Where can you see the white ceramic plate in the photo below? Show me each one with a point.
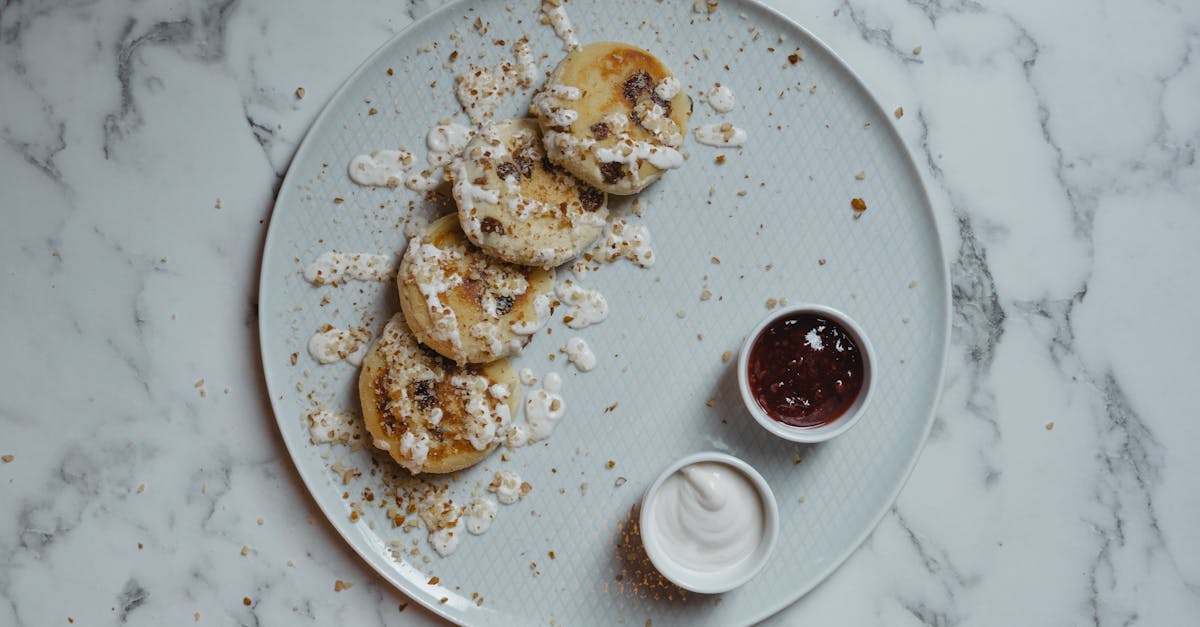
(776, 214)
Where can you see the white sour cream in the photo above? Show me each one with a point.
(479, 514)
(580, 354)
(588, 307)
(556, 15)
(331, 345)
(721, 99)
(708, 516)
(724, 135)
(507, 487)
(381, 168)
(335, 268)
(328, 427)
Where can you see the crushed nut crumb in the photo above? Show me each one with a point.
(726, 356)
(300, 93)
(899, 112)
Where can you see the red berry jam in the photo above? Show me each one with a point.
(805, 370)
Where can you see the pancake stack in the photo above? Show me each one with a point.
(438, 392)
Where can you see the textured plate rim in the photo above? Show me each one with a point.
(372, 558)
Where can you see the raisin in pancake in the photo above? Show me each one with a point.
(516, 205)
(464, 304)
(429, 414)
(613, 115)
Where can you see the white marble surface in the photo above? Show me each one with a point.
(140, 147)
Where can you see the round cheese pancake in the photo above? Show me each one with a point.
(464, 304)
(518, 206)
(613, 115)
(429, 414)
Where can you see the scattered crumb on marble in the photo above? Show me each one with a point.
(340, 585)
(300, 91)
(726, 356)
(1050, 426)
(7, 459)
(899, 112)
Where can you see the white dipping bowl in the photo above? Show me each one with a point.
(716, 581)
(833, 428)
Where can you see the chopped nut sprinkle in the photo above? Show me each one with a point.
(1050, 426)
(300, 93)
(340, 585)
(7, 459)
(726, 356)
(899, 112)
(858, 204)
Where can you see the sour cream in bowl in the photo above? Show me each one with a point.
(709, 522)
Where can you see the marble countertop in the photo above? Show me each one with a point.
(141, 145)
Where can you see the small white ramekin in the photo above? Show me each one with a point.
(710, 582)
(830, 429)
